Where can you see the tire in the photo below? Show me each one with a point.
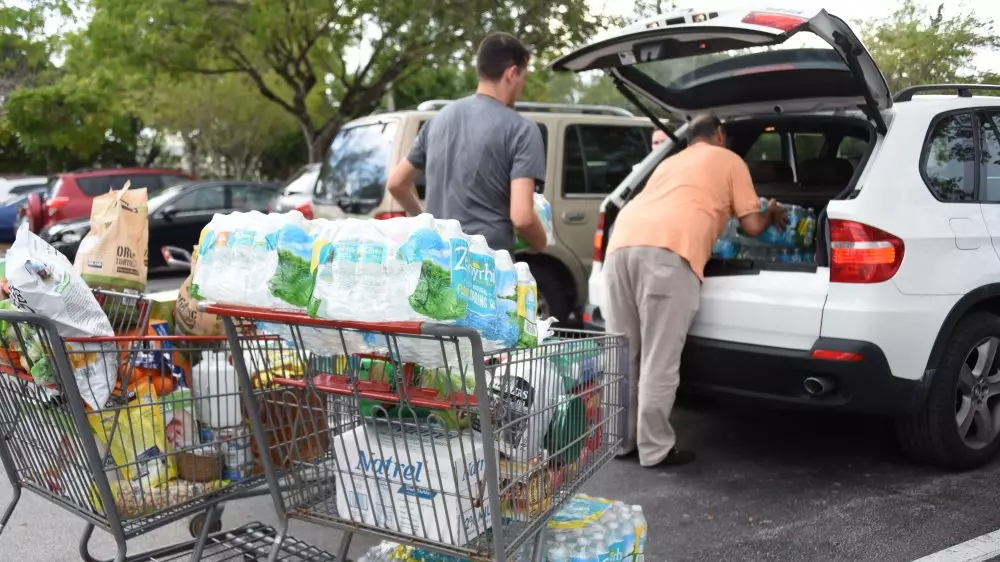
(552, 293)
(196, 522)
(933, 434)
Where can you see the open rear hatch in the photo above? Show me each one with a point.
(740, 64)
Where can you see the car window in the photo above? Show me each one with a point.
(808, 146)
(948, 161)
(251, 197)
(27, 188)
(96, 185)
(208, 198)
(989, 161)
(596, 158)
(766, 147)
(171, 180)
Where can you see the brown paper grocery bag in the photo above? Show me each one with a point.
(188, 319)
(115, 253)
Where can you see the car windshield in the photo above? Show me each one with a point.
(354, 172)
(158, 200)
(802, 49)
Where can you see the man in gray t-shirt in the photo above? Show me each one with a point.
(481, 159)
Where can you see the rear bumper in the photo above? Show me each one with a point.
(778, 375)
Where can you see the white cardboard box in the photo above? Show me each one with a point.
(422, 482)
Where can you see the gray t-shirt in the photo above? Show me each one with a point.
(470, 152)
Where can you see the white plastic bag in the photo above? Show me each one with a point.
(43, 281)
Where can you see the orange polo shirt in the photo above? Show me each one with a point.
(686, 204)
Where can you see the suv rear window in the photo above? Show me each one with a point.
(948, 163)
(597, 158)
(96, 185)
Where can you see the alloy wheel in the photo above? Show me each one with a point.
(977, 395)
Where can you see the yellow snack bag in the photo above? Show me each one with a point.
(136, 437)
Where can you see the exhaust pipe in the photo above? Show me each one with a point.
(818, 386)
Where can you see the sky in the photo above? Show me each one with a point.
(850, 10)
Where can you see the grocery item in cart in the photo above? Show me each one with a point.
(213, 259)
(190, 321)
(442, 252)
(136, 437)
(544, 211)
(180, 423)
(41, 280)
(502, 331)
(525, 490)
(292, 281)
(115, 253)
(527, 307)
(522, 401)
(419, 481)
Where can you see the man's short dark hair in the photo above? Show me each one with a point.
(703, 127)
(498, 52)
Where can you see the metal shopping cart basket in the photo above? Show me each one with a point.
(148, 454)
(412, 432)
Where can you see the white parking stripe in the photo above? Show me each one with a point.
(979, 549)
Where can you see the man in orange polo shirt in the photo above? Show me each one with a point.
(653, 272)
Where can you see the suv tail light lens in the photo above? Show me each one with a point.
(862, 254)
(783, 22)
(54, 204)
(599, 237)
(387, 216)
(306, 209)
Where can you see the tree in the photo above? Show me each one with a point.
(225, 124)
(307, 44)
(24, 50)
(916, 46)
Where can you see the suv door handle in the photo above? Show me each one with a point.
(574, 217)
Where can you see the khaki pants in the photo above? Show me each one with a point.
(652, 297)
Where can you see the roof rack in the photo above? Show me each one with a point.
(964, 90)
(434, 105)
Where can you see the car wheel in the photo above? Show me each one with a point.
(959, 425)
(553, 298)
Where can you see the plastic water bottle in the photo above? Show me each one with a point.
(346, 255)
(481, 281)
(628, 531)
(504, 328)
(369, 302)
(527, 306)
(584, 551)
(558, 553)
(614, 542)
(639, 522)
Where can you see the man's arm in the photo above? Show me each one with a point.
(400, 182)
(746, 204)
(402, 189)
(522, 214)
(528, 169)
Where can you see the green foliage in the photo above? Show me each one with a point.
(292, 281)
(916, 46)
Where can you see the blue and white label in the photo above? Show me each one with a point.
(346, 251)
(459, 266)
(373, 252)
(481, 279)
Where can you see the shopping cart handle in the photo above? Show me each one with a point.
(302, 319)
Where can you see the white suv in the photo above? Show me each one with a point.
(898, 311)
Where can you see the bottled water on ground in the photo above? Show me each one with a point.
(639, 522)
(614, 542)
(558, 553)
(584, 551)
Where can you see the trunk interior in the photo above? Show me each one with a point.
(805, 161)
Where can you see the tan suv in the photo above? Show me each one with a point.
(589, 150)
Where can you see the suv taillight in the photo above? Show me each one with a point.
(387, 216)
(54, 204)
(599, 237)
(306, 209)
(862, 254)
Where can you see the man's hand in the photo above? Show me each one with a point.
(402, 189)
(776, 214)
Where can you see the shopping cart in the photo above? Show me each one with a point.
(95, 426)
(413, 433)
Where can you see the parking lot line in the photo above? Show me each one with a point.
(979, 549)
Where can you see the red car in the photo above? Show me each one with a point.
(69, 195)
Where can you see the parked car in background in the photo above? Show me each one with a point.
(297, 192)
(177, 215)
(69, 195)
(10, 211)
(589, 150)
(22, 185)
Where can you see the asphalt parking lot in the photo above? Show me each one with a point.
(769, 485)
